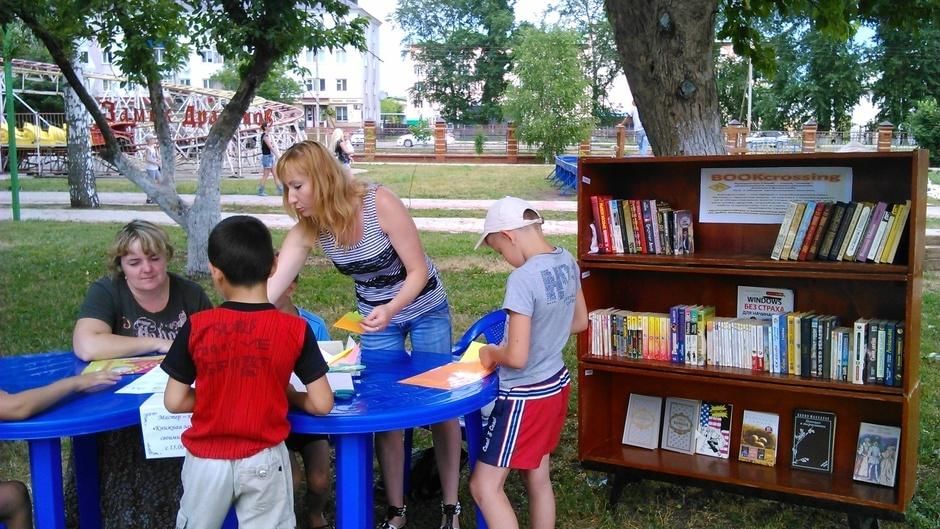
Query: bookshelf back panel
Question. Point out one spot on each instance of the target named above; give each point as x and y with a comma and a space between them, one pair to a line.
609, 393
883, 178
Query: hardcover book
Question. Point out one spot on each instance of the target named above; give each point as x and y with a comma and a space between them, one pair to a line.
759, 432
876, 456
814, 434
713, 437
679, 422
835, 222
641, 427
873, 222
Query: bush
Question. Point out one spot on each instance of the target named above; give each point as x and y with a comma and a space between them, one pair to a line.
478, 142
925, 124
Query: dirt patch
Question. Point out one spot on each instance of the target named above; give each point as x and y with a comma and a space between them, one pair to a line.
458, 264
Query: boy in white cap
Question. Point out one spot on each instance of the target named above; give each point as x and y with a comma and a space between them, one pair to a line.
545, 306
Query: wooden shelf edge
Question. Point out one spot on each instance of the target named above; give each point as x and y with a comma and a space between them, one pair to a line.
745, 376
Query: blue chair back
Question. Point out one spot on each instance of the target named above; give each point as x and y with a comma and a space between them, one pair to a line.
492, 326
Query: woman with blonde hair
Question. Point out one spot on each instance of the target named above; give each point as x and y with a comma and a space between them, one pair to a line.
341, 147
369, 235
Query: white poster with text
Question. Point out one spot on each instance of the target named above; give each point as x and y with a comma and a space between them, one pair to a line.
759, 195
162, 429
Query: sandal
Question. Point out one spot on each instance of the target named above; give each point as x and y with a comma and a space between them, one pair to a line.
449, 512
394, 512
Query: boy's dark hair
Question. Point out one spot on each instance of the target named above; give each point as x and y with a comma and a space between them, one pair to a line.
241, 248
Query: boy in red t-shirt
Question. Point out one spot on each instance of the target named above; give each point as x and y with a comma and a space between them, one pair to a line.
241, 355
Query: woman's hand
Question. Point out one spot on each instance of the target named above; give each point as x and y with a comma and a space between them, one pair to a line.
377, 320
96, 381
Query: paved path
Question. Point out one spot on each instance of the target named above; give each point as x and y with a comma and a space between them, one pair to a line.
61, 212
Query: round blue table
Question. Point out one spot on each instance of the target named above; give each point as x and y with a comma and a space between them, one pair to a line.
380, 404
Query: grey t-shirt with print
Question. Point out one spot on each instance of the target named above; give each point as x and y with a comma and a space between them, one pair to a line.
544, 288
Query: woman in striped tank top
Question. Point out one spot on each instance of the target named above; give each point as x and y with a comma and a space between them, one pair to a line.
369, 235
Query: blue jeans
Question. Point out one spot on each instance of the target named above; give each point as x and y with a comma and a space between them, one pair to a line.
430, 333
267, 161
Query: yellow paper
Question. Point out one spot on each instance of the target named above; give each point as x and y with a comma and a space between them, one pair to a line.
350, 322
125, 366
472, 354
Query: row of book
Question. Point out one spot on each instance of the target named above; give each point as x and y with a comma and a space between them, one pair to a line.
804, 344
841, 231
641, 226
704, 427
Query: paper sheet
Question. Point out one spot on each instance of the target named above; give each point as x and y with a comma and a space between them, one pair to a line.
350, 322
125, 366
154, 381
450, 376
338, 381
472, 354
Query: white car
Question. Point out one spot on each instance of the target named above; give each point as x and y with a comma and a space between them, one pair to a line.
358, 138
409, 140
767, 139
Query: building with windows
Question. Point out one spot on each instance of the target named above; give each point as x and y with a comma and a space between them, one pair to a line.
345, 80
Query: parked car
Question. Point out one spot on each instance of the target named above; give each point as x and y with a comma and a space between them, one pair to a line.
358, 138
767, 139
409, 140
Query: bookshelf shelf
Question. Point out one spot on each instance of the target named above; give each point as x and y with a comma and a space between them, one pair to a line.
728, 256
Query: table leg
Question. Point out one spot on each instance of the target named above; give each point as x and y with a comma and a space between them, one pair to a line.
354, 503
87, 483
45, 466
473, 422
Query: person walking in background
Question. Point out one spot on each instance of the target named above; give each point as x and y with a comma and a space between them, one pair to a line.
268, 153
341, 147
240, 357
368, 234
152, 161
16, 511
545, 305
642, 142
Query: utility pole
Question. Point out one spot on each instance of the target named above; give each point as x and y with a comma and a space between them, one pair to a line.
750, 83
11, 118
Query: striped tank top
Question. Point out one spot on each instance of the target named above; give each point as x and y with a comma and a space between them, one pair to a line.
376, 268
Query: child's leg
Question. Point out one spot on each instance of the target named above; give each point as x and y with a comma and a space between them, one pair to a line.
316, 456
208, 491
15, 509
265, 498
486, 486
538, 483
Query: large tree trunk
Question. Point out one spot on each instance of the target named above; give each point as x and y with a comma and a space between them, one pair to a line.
666, 48
83, 192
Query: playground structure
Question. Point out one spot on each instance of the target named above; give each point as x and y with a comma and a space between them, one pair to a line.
41, 137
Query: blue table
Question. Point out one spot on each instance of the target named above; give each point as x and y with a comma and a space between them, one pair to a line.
381, 404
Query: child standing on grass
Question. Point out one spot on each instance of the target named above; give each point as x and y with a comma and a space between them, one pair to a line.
545, 305
240, 355
15, 509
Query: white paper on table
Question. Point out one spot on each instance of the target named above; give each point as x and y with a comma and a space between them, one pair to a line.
153, 381
338, 381
161, 429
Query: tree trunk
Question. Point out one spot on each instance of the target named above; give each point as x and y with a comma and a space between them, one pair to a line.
83, 192
666, 48
205, 212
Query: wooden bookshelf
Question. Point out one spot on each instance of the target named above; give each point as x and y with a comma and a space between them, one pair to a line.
727, 256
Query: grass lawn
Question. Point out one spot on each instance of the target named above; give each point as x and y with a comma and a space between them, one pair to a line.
48, 266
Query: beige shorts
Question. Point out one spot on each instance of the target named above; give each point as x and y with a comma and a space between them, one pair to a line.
259, 487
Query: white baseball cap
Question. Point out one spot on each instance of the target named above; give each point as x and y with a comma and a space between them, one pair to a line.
507, 213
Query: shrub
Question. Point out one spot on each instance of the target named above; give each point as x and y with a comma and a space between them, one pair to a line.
478, 142
925, 124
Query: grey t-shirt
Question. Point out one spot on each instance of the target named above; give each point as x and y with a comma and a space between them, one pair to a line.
110, 300
544, 288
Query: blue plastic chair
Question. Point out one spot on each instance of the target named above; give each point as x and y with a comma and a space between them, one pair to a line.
491, 326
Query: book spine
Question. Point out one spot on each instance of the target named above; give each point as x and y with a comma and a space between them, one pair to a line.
647, 228
654, 223
835, 222
871, 363
595, 209
784, 230
880, 353
801, 231
606, 235
873, 221
811, 231
836, 251
890, 231
899, 354
673, 334
794, 227
856, 213
902, 223
860, 354
820, 231
636, 217
616, 241
890, 330
878, 240
806, 346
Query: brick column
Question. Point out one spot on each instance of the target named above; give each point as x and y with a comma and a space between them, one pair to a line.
440, 140
368, 129
512, 145
809, 136
885, 132
735, 136
584, 148
621, 139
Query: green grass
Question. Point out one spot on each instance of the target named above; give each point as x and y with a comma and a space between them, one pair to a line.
47, 267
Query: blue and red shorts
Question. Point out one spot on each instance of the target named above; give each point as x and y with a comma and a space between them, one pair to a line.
526, 423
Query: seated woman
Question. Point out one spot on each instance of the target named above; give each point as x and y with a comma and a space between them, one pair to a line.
138, 309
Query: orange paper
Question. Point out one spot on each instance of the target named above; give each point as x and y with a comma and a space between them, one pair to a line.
449, 376
125, 366
350, 322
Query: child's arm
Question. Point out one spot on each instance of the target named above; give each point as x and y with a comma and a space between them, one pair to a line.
312, 369
514, 351
179, 397
319, 397
580, 321
25, 404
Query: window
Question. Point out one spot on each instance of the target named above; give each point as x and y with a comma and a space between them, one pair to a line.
106, 85
83, 57
158, 54
340, 56
107, 57
341, 85
311, 55
315, 85
211, 56
341, 114
185, 81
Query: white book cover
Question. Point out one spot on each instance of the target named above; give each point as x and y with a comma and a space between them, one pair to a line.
641, 427
877, 243
679, 425
763, 302
858, 233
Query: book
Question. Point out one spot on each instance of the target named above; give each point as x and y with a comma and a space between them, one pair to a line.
814, 435
861, 226
763, 302
684, 234
616, 234
836, 251
811, 231
801, 231
878, 241
641, 427
606, 238
784, 230
626, 226
899, 354
835, 221
876, 455
873, 221
899, 233
823, 226
794, 227
679, 420
713, 435
125, 366
890, 231
759, 432
856, 214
